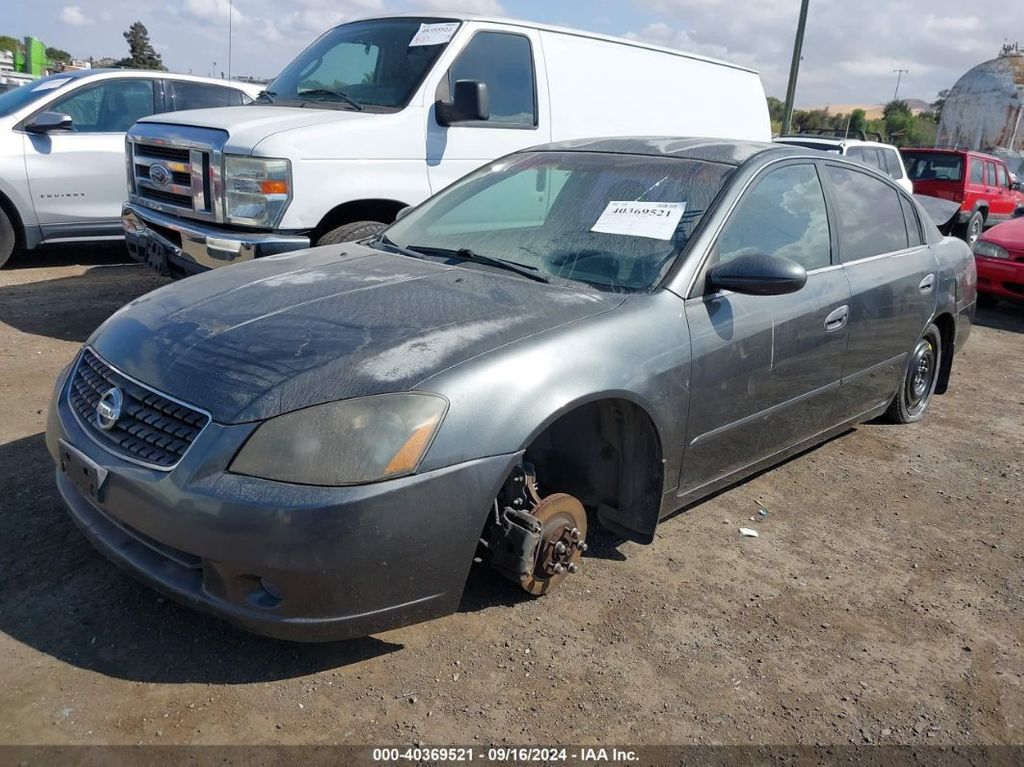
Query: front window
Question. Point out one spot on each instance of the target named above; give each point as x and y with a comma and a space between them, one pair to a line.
614, 222
113, 106
375, 65
933, 166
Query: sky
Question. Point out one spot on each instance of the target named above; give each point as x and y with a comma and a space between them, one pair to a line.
850, 51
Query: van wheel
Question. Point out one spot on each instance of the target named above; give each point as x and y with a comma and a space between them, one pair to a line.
918, 385
357, 230
971, 231
7, 238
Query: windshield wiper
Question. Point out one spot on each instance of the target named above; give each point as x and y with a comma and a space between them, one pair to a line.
339, 94
392, 246
465, 254
268, 95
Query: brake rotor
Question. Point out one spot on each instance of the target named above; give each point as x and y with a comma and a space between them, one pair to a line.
563, 534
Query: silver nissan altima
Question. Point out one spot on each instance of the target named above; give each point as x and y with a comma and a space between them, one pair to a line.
318, 445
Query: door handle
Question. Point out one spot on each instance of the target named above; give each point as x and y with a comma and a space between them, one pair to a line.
836, 319
927, 284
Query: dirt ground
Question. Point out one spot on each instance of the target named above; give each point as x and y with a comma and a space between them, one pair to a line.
882, 603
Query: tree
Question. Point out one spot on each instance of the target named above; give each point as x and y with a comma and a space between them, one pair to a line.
143, 55
11, 44
56, 54
939, 103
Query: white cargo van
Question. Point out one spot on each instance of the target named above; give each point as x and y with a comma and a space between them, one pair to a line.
379, 114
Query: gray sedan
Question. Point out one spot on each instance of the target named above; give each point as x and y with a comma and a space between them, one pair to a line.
318, 445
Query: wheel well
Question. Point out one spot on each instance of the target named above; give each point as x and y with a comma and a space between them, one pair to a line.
15, 219
607, 454
357, 210
947, 332
982, 208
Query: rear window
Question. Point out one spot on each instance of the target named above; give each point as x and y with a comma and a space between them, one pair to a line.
977, 171
933, 166
871, 219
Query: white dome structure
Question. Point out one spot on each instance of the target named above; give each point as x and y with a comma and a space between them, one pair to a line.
985, 109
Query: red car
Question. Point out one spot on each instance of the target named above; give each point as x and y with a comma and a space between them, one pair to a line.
979, 182
999, 255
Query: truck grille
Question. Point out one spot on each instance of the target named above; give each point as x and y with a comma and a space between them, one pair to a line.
152, 428
173, 177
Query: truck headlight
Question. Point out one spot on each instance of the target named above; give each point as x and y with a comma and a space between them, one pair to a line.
256, 190
989, 250
351, 442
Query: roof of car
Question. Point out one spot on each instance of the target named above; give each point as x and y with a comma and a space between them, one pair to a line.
730, 152
951, 150
832, 141
79, 74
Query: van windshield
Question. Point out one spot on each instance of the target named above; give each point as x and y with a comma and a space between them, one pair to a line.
933, 166
374, 65
615, 222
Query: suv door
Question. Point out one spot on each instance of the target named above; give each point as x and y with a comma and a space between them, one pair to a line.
892, 275
765, 369
506, 62
77, 177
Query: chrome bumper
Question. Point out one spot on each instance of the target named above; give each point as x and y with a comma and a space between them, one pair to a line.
167, 242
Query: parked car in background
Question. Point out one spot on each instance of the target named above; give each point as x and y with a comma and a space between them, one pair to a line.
999, 255
62, 176
979, 182
377, 114
317, 445
883, 157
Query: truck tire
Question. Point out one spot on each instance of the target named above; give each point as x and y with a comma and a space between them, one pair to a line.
357, 230
7, 237
971, 231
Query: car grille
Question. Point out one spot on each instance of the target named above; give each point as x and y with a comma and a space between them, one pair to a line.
183, 185
152, 428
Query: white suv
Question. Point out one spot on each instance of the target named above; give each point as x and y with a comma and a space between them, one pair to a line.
62, 140
882, 157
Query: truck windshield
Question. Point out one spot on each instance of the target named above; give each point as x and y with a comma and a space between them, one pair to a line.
933, 166
374, 65
615, 222
12, 101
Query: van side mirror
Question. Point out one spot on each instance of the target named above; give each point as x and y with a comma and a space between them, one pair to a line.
44, 122
470, 102
403, 213
758, 274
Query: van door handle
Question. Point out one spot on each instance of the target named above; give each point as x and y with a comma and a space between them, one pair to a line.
836, 319
927, 284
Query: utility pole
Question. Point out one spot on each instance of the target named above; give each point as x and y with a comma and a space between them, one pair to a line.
899, 76
231, 12
794, 69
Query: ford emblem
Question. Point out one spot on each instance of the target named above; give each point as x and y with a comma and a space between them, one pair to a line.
108, 409
160, 175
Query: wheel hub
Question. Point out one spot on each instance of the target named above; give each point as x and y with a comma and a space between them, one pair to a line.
562, 542
922, 373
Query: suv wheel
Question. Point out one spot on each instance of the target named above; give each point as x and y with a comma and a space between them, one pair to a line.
971, 231
7, 238
357, 230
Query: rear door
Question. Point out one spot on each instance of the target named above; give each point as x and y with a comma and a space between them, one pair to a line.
508, 63
78, 177
1002, 201
766, 369
893, 278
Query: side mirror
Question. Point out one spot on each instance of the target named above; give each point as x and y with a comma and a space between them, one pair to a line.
403, 213
470, 102
44, 122
759, 275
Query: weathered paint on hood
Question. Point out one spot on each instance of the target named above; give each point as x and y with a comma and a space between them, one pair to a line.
252, 341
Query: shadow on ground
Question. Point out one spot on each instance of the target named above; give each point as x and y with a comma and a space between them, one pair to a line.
60, 597
1003, 316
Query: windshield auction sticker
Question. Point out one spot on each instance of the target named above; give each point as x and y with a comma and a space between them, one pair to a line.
434, 34
49, 85
657, 220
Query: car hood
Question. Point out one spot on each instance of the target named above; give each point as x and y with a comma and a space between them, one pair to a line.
1009, 234
251, 341
247, 126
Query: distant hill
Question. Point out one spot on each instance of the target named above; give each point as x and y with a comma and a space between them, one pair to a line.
871, 111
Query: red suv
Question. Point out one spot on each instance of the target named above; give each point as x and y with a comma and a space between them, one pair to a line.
979, 182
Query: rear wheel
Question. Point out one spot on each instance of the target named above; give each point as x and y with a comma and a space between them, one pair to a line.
7, 237
918, 385
357, 230
971, 231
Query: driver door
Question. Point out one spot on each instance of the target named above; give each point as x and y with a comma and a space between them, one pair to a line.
766, 369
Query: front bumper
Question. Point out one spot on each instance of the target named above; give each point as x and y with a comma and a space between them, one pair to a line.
1000, 277
171, 244
287, 561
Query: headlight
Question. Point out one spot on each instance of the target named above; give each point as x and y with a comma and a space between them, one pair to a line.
256, 190
989, 250
351, 442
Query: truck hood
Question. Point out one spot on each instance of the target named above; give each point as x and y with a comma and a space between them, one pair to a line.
247, 126
255, 340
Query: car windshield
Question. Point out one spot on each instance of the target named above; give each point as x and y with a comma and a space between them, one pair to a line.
13, 100
614, 222
375, 65
933, 166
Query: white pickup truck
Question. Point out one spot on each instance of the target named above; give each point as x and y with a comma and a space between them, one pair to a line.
378, 114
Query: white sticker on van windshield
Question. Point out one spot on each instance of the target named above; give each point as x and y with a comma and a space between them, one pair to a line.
49, 85
657, 220
434, 34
